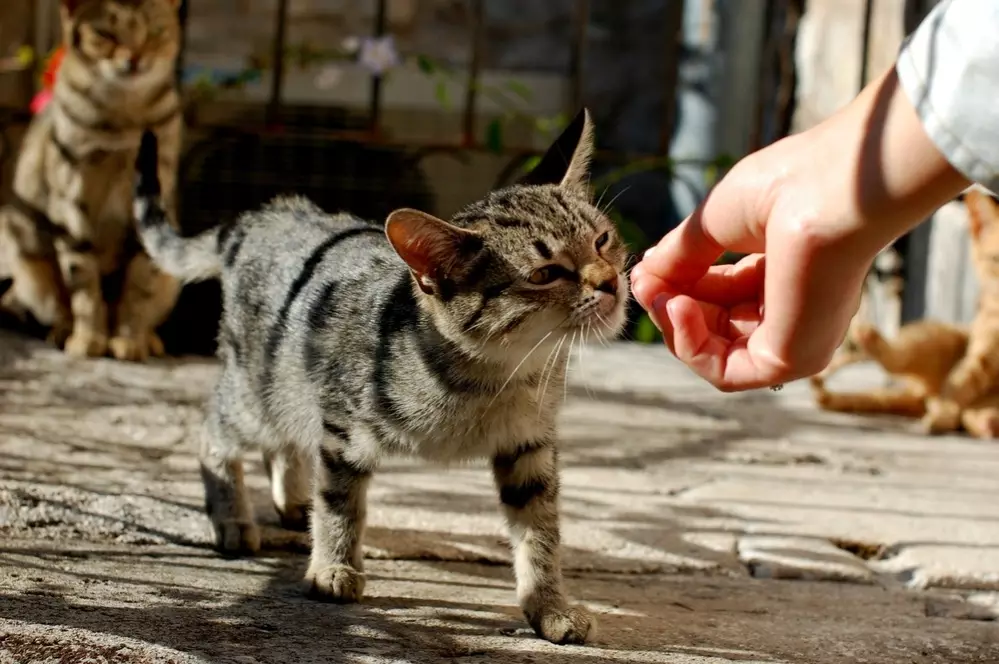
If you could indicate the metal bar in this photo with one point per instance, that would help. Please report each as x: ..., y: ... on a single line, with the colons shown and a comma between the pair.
x: 366, y: 137
x: 375, y: 99
x: 576, y: 58
x: 273, y: 113
x: 674, y: 51
x: 182, y: 14
x: 765, y: 76
x: 865, y: 44
x: 474, y: 68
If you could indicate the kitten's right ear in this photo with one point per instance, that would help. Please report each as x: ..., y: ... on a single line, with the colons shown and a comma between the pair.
x: 982, y: 210
x: 567, y: 161
x: 433, y: 249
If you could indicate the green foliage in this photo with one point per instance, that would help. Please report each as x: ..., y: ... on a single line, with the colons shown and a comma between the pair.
x: 426, y: 65
x: 646, y: 331
x: 494, y: 136
x: 442, y: 94
x: 519, y: 89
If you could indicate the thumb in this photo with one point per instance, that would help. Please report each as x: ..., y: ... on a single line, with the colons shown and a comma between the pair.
x: 722, y: 222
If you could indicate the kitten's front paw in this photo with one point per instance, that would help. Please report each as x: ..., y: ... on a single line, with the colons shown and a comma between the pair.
x: 337, y: 583
x: 129, y: 349
x: 86, y: 344
x: 572, y: 625
x: 237, y: 538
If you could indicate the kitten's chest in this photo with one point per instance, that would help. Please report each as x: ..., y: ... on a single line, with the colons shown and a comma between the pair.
x: 466, y: 428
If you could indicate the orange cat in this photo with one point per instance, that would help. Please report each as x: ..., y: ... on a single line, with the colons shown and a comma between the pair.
x: 950, y: 374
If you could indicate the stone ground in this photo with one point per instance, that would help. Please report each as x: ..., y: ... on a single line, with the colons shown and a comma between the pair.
x: 701, y: 527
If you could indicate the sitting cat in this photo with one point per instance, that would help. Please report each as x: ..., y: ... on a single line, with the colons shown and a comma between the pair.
x: 343, y: 341
x: 69, y: 233
x: 950, y: 373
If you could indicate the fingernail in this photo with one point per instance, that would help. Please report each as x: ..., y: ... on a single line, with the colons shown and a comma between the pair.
x: 648, y: 252
x: 659, y: 312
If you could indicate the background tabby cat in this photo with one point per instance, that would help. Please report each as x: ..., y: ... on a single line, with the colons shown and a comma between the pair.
x: 68, y: 235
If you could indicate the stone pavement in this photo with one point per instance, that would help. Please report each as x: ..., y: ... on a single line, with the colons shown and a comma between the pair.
x: 701, y: 527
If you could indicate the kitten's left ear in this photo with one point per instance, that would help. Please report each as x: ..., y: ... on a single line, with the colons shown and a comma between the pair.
x: 435, y: 251
x: 567, y: 161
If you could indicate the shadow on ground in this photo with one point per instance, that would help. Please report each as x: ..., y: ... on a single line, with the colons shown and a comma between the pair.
x: 105, y: 544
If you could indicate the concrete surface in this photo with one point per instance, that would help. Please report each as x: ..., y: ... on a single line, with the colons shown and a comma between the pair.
x: 701, y: 527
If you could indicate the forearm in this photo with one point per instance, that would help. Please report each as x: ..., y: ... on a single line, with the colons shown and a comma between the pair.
x: 890, y: 174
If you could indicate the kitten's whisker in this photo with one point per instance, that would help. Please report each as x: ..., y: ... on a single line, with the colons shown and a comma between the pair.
x: 616, y: 196
x: 555, y: 362
x: 521, y: 363
x: 565, y: 378
x: 552, y: 354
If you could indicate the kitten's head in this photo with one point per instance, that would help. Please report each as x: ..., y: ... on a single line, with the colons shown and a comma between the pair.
x: 536, y: 258
x: 123, y: 40
x: 983, y: 222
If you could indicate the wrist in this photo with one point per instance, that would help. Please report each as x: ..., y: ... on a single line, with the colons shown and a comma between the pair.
x: 886, y: 173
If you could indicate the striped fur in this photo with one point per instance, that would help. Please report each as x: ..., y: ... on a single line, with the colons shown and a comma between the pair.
x: 68, y: 232
x: 447, y: 342
x: 951, y: 373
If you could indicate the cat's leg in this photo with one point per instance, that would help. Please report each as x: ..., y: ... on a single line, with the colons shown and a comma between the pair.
x: 37, y: 287
x: 227, y: 500
x: 81, y: 273
x: 336, y: 567
x: 37, y: 290
x: 528, y: 486
x: 907, y: 401
x: 290, y: 473
x: 969, y: 381
x: 981, y: 421
x: 148, y: 296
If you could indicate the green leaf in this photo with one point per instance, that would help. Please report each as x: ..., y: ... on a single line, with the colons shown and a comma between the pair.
x: 646, y: 331
x: 520, y: 89
x: 494, y: 136
x: 442, y: 94
x: 425, y: 64
x: 531, y: 163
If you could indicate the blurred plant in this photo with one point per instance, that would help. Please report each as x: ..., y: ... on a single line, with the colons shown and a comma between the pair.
x: 22, y: 59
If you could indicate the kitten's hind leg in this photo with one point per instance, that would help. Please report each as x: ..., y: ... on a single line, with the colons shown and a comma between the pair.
x: 338, y: 512
x: 290, y: 473
x: 226, y: 498
x: 148, y: 296
x: 527, y: 481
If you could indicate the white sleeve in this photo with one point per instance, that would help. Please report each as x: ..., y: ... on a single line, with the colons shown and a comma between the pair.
x: 949, y: 70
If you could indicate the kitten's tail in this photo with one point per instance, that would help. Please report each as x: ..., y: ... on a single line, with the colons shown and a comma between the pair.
x: 186, y: 258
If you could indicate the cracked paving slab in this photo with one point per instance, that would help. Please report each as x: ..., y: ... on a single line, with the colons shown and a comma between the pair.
x: 670, y: 492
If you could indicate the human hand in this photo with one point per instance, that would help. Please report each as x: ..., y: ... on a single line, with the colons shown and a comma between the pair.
x: 812, y: 210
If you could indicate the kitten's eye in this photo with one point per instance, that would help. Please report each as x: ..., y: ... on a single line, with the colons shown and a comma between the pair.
x: 602, y: 240
x: 548, y: 274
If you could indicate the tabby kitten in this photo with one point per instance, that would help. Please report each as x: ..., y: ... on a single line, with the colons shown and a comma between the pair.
x: 950, y: 373
x: 444, y: 342
x: 70, y: 224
